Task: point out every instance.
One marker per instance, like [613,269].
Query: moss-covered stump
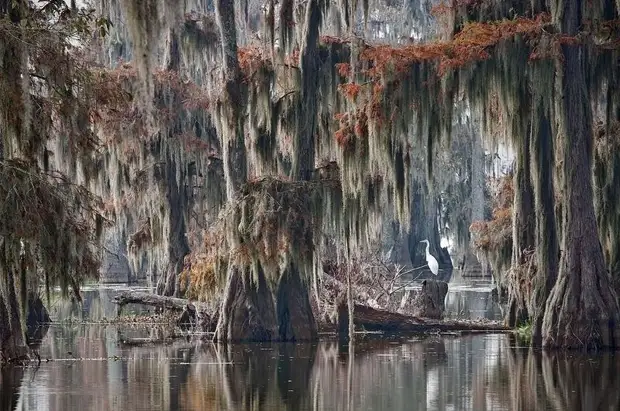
[430,301]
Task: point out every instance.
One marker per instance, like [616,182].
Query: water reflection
[10,381]
[91,369]
[564,381]
[96,304]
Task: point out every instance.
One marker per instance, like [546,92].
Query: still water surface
[91,368]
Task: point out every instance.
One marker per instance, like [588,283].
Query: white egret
[430,260]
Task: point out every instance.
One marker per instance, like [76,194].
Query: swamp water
[91,368]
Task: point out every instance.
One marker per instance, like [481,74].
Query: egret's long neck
[427,247]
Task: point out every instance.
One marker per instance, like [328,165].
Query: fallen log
[371,319]
[206,319]
[154,300]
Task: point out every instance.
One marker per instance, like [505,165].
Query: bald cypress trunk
[176,198]
[582,310]
[178,248]
[12,341]
[231,104]
[296,320]
[247,312]
[252,310]
[522,236]
[547,247]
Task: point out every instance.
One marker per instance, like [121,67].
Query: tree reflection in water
[563,380]
[10,382]
[481,372]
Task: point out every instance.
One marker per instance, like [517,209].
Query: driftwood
[371,319]
[190,309]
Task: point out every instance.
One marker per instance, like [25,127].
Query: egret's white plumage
[430,260]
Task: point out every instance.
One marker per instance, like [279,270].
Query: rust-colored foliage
[493,234]
[344,69]
[201,272]
[116,110]
[350,90]
[390,63]
[327,40]
[469,45]
[352,126]
[253,59]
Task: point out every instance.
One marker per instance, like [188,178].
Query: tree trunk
[231,106]
[523,224]
[178,248]
[471,266]
[607,188]
[12,341]
[582,310]
[303,157]
[547,248]
[296,320]
[248,312]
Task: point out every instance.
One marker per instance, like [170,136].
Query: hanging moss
[371,108]
[51,222]
[145,173]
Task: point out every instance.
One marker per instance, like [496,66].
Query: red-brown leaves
[353,126]
[344,69]
[489,235]
[469,45]
[252,59]
[350,90]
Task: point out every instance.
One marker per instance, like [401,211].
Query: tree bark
[12,341]
[231,106]
[523,224]
[471,266]
[248,312]
[582,310]
[296,320]
[547,248]
[430,301]
[303,156]
[178,248]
